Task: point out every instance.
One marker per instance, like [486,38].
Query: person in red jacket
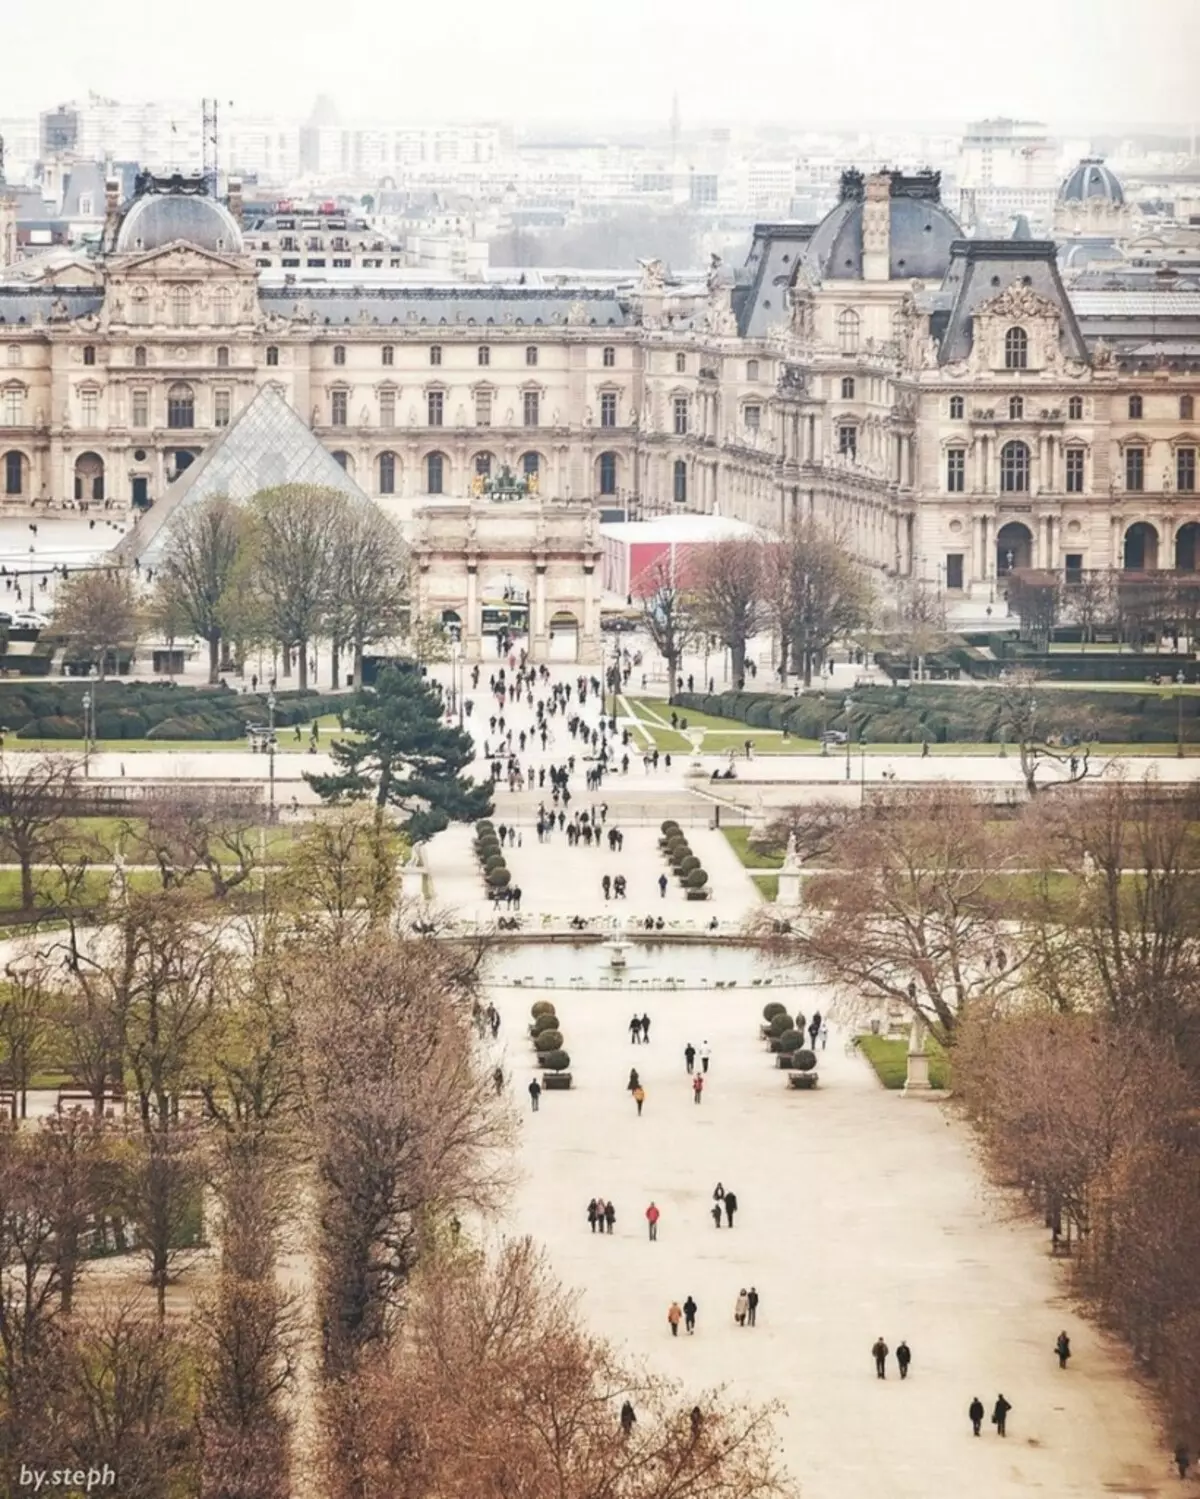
[652,1217]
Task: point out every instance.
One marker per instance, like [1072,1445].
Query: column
[589,626]
[471,625]
[538,631]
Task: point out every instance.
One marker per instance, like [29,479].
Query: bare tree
[289,557]
[404,1122]
[911,913]
[27,1004]
[370,568]
[1089,601]
[1036,598]
[915,627]
[340,875]
[815,595]
[669,617]
[497,1391]
[1039,752]
[35,797]
[96,612]
[194,577]
[192,834]
[727,578]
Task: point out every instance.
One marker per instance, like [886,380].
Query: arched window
[609,357]
[387,354]
[89,353]
[1075,409]
[1016,408]
[222,305]
[680,482]
[608,473]
[387,473]
[848,327]
[1016,349]
[14,473]
[181,406]
[531,465]
[483,465]
[1014,468]
[223,358]
[181,306]
[272,354]
[1135,408]
[339,353]
[435,473]
[957,408]
[847,387]
[1187,408]
[139,357]
[139,305]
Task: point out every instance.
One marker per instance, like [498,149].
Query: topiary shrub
[499,879]
[494,861]
[668,827]
[550,1023]
[547,1041]
[541,1007]
[780,1023]
[688,864]
[804,1061]
[696,880]
[556,1061]
[769,1011]
[791,1041]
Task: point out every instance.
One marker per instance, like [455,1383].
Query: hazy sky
[610,61]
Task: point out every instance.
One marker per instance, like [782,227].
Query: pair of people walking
[999,1415]
[745,1308]
[690,1054]
[726,1200]
[639,1030]
[685,1314]
[880,1351]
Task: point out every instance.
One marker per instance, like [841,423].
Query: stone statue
[790,860]
[653,275]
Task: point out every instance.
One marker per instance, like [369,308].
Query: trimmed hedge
[547,1041]
[152,710]
[696,880]
[774,1008]
[779,1024]
[541,1007]
[556,1061]
[498,879]
[543,1023]
[804,1061]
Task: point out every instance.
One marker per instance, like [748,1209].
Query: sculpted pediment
[180,258]
[1017,303]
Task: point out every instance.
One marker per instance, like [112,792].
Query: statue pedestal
[917,1078]
[789,888]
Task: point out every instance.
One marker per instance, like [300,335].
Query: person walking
[645,1028]
[535,1093]
[879,1352]
[674,1318]
[1000,1415]
[606,886]
[689,1057]
[741,1307]
[814,1028]
[751,1307]
[705,1053]
[697,1087]
[976,1412]
[903,1357]
[719,1193]
[731,1206]
[639,1097]
[628,1420]
[652,1217]
[662,886]
[1062,1347]
[1183,1460]
[635,1032]
[716,1214]
[593,1214]
[610,1216]
[634,1082]
[689,1313]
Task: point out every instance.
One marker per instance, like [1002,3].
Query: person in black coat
[731,1203]
[689,1314]
[1000,1415]
[1062,1346]
[976,1412]
[610,1216]
[593,1215]
[903,1357]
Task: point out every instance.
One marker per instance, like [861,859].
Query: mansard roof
[981,269]
[455,306]
[775,252]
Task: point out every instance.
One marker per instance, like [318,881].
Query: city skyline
[1071,63]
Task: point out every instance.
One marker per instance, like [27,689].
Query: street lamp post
[458,670]
[271,752]
[862,768]
[87,738]
[824,726]
[1179,715]
[846,706]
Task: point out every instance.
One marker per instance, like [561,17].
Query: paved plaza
[860,1213]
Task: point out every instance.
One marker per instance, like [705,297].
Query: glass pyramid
[266,444]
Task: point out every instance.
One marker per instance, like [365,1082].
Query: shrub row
[547,1038]
[151,710]
[956,715]
[491,858]
[683,861]
[785,1039]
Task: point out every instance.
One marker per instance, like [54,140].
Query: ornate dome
[1092,179]
[155,219]
[922,231]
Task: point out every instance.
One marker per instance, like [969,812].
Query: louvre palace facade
[947,403]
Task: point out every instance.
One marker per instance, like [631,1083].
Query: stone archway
[89,477]
[1014,548]
[1187,548]
[564,636]
[1140,552]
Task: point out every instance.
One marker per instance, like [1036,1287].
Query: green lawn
[889,1059]
[288,744]
[768,885]
[739,840]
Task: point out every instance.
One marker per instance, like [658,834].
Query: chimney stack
[235,199]
[877,227]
